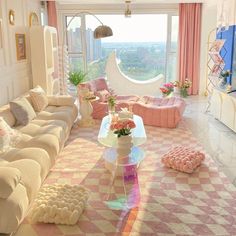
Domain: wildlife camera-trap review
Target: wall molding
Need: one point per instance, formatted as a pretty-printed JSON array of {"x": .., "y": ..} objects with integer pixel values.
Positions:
[{"x": 15, "y": 76}]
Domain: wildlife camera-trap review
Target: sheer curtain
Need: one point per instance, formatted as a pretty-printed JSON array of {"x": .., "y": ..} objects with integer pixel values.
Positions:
[{"x": 189, "y": 44}]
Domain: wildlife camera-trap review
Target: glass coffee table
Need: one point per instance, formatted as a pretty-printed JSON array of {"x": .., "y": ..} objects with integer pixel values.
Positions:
[{"x": 125, "y": 170}]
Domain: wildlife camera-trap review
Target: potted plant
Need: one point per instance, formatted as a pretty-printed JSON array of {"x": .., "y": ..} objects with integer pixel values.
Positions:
[
  {"x": 76, "y": 78},
  {"x": 223, "y": 79}
]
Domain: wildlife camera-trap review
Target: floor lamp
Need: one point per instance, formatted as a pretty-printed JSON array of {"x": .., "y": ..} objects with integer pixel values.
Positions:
[{"x": 102, "y": 31}]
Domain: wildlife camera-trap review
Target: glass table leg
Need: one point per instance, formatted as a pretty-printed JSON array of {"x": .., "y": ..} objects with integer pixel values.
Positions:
[{"x": 131, "y": 186}]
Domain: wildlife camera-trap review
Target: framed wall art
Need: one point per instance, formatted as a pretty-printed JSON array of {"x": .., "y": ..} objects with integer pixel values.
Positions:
[{"x": 20, "y": 47}]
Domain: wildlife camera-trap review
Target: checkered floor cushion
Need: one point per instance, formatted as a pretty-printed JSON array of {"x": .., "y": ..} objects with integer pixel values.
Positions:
[
  {"x": 59, "y": 204},
  {"x": 183, "y": 159}
]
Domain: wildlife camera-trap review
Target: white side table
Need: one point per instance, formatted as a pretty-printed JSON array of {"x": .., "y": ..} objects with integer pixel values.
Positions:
[{"x": 86, "y": 110}]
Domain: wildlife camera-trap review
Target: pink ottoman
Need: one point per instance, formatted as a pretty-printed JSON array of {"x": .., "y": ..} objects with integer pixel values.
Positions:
[{"x": 183, "y": 159}]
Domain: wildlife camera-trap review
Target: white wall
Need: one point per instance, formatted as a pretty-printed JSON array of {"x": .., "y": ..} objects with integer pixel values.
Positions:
[
  {"x": 209, "y": 22},
  {"x": 15, "y": 76},
  {"x": 227, "y": 10}
]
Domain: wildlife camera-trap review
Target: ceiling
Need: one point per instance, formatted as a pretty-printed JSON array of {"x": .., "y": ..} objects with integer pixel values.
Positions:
[{"x": 122, "y": 1}]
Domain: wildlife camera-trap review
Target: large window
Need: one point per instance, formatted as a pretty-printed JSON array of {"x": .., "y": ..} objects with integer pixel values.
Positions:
[{"x": 145, "y": 45}]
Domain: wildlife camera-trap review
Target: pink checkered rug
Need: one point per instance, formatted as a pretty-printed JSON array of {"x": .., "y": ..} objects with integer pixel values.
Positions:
[{"x": 172, "y": 203}]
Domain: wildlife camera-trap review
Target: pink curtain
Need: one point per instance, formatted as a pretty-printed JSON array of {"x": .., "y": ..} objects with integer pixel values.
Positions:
[
  {"x": 52, "y": 13},
  {"x": 189, "y": 44}
]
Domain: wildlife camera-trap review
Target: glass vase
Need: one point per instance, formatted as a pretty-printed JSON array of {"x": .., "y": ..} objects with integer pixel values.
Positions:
[
  {"x": 184, "y": 92},
  {"x": 111, "y": 112}
]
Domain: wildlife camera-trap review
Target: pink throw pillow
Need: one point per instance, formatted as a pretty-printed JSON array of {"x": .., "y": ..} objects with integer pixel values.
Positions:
[
  {"x": 103, "y": 95},
  {"x": 183, "y": 159}
]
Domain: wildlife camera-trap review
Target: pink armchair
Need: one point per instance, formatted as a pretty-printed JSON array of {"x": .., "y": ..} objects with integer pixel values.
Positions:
[
  {"x": 100, "y": 107},
  {"x": 161, "y": 112}
]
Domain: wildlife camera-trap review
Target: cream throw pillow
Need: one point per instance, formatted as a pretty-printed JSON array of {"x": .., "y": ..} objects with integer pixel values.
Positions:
[
  {"x": 9, "y": 178},
  {"x": 22, "y": 110},
  {"x": 39, "y": 98},
  {"x": 8, "y": 136}
]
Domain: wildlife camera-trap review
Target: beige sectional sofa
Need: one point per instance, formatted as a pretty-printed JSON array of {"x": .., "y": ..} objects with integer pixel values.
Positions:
[{"x": 25, "y": 167}]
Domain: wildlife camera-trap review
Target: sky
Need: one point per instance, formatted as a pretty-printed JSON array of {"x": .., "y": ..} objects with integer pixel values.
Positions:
[{"x": 137, "y": 28}]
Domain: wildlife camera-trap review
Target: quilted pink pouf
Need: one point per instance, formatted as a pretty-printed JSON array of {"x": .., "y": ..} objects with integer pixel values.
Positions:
[{"x": 183, "y": 159}]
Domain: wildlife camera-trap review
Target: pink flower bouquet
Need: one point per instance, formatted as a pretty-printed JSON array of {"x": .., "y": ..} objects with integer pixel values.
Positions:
[
  {"x": 167, "y": 88},
  {"x": 122, "y": 127}
]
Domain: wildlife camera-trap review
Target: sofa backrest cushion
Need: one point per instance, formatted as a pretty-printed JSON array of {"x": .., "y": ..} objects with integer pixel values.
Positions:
[
  {"x": 9, "y": 178},
  {"x": 22, "y": 110},
  {"x": 5, "y": 138},
  {"x": 39, "y": 98},
  {"x": 7, "y": 115}
]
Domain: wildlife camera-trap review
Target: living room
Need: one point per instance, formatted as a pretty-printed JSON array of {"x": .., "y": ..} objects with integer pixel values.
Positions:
[{"x": 117, "y": 117}]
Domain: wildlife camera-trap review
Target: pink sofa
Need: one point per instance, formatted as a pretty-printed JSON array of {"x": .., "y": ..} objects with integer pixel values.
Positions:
[{"x": 161, "y": 112}]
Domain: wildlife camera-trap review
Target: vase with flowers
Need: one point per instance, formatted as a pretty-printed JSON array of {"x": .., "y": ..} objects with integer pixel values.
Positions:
[
  {"x": 167, "y": 89},
  {"x": 122, "y": 128},
  {"x": 223, "y": 79},
  {"x": 111, "y": 101},
  {"x": 183, "y": 87}
]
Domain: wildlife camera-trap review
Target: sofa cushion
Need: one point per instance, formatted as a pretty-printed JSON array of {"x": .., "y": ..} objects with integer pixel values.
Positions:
[
  {"x": 60, "y": 100},
  {"x": 9, "y": 179},
  {"x": 64, "y": 113},
  {"x": 37, "y": 154},
  {"x": 39, "y": 98},
  {"x": 59, "y": 123},
  {"x": 34, "y": 130},
  {"x": 22, "y": 111},
  {"x": 13, "y": 209},
  {"x": 48, "y": 142},
  {"x": 30, "y": 175}
]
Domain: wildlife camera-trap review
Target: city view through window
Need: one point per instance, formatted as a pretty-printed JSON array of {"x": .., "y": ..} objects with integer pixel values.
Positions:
[{"x": 140, "y": 43}]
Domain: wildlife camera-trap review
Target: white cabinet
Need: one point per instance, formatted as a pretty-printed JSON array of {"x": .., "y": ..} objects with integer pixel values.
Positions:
[
  {"x": 223, "y": 108},
  {"x": 44, "y": 58},
  {"x": 216, "y": 104}
]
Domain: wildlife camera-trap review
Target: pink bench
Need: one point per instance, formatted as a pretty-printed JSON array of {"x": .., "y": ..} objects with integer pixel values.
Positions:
[{"x": 161, "y": 112}]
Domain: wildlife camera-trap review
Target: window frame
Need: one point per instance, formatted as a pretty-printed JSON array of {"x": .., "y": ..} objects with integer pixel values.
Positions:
[{"x": 169, "y": 9}]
